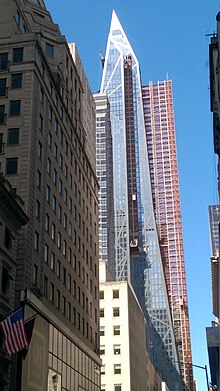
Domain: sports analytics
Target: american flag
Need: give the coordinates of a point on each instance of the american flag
(15, 338)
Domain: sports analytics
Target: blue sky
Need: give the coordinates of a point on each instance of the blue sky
(168, 37)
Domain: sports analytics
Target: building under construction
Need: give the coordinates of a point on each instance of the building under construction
(161, 143)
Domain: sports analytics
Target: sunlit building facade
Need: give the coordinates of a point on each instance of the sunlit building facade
(137, 250)
(104, 171)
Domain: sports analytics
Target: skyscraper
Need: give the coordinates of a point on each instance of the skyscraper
(137, 250)
(161, 144)
(104, 170)
(47, 129)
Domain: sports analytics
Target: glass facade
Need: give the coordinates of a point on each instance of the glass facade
(70, 367)
(137, 251)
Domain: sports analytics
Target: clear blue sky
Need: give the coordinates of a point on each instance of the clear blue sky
(167, 37)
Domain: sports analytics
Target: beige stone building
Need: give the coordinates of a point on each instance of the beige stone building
(47, 141)
(125, 362)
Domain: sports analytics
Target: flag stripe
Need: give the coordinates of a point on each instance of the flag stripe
(14, 332)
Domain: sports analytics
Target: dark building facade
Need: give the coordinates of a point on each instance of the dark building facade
(12, 218)
(47, 134)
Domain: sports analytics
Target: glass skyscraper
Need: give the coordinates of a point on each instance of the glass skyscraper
(137, 250)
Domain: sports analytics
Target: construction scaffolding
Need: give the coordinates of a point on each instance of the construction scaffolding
(161, 142)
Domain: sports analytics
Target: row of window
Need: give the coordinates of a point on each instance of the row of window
(115, 294)
(116, 350)
(116, 330)
(17, 56)
(115, 312)
(14, 110)
(65, 307)
(16, 83)
(117, 369)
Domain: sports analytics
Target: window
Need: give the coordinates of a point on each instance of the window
(36, 241)
(58, 299)
(2, 114)
(18, 54)
(5, 285)
(13, 136)
(46, 253)
(3, 87)
(103, 387)
(37, 209)
(50, 114)
(35, 275)
(117, 387)
(116, 311)
(49, 49)
(55, 151)
(59, 240)
(16, 80)
(102, 312)
(45, 286)
(52, 292)
(69, 282)
(116, 294)
(117, 349)
(11, 166)
(102, 331)
(1, 144)
(49, 140)
(8, 239)
(17, 17)
(64, 305)
(116, 330)
(101, 294)
(47, 222)
(48, 194)
(54, 176)
(38, 179)
(60, 186)
(103, 370)
(41, 96)
(117, 369)
(52, 261)
(49, 166)
(3, 61)
(39, 150)
(58, 268)
(53, 232)
(41, 121)
(54, 204)
(15, 107)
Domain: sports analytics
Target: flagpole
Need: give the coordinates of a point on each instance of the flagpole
(19, 354)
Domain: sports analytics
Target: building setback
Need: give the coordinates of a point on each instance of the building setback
(47, 133)
(162, 155)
